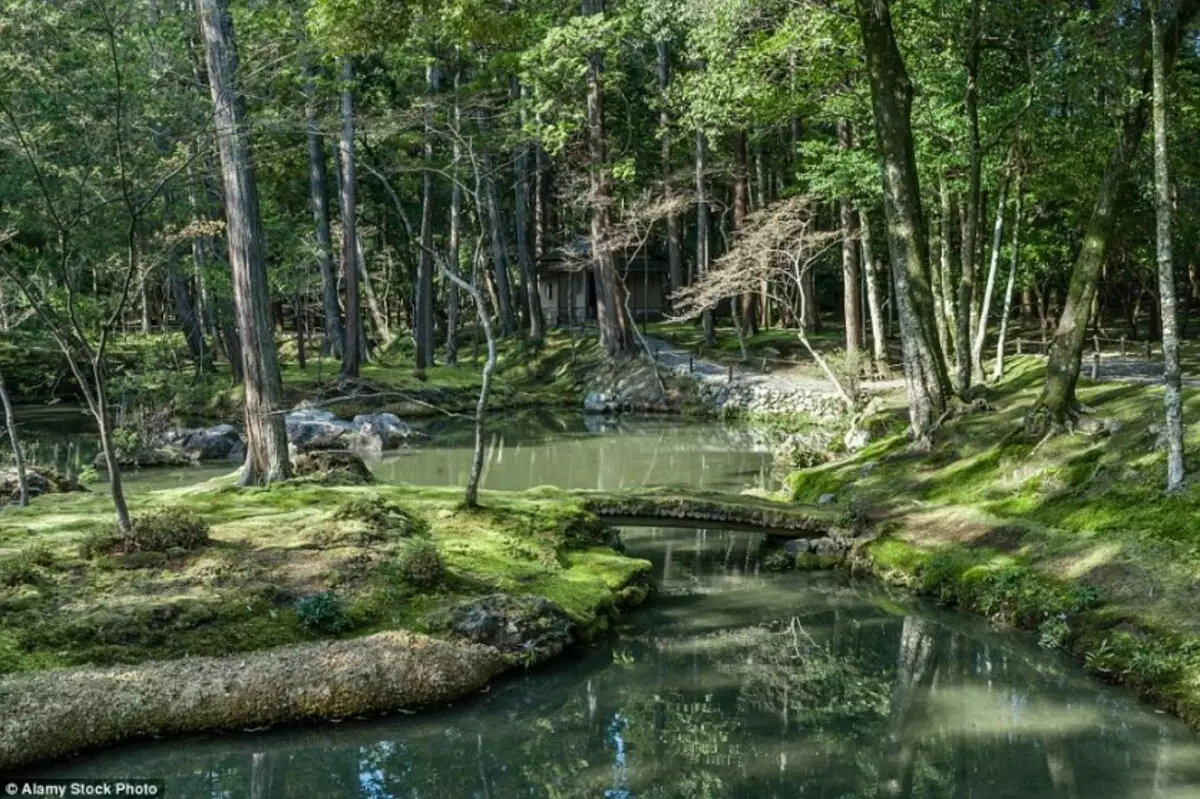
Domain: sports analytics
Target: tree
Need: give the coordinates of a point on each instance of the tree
(351, 355)
(1166, 259)
(14, 441)
(891, 91)
(266, 437)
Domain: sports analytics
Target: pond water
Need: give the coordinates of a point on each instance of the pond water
(732, 682)
(567, 450)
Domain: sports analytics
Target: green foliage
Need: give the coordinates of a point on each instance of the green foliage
(422, 564)
(26, 567)
(322, 612)
(381, 515)
(169, 531)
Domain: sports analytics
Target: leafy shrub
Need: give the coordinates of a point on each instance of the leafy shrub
(777, 560)
(1053, 632)
(157, 531)
(381, 515)
(422, 565)
(321, 612)
(25, 567)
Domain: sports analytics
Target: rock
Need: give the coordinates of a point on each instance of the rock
(38, 481)
(856, 438)
(525, 624)
(826, 547)
(827, 499)
(797, 546)
(206, 444)
(333, 467)
(146, 458)
(311, 429)
(388, 427)
(595, 402)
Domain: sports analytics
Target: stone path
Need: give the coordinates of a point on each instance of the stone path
(676, 359)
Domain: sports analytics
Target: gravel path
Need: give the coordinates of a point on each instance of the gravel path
(677, 360)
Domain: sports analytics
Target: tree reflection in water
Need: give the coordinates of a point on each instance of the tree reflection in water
(734, 683)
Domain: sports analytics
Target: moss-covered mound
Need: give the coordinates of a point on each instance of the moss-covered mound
(228, 571)
(37, 482)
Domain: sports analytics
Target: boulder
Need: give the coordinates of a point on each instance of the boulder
(312, 429)
(38, 481)
(387, 427)
(332, 467)
(146, 458)
(222, 442)
(856, 438)
(530, 625)
(595, 402)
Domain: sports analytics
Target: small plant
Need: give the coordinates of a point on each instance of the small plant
(88, 476)
(422, 565)
(25, 567)
(778, 561)
(321, 612)
(1053, 632)
(157, 531)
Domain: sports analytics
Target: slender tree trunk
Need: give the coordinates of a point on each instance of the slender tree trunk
(874, 295)
(333, 335)
(455, 241)
(674, 223)
(1057, 405)
(508, 320)
(1166, 259)
(851, 278)
(947, 274)
(351, 354)
(533, 299)
(616, 337)
(10, 424)
(966, 287)
(423, 306)
(266, 439)
(702, 235)
(985, 305)
(185, 308)
(891, 93)
(1014, 262)
(741, 209)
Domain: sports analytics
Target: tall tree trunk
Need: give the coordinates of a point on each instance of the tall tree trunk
(616, 337)
(455, 242)
(1057, 405)
(504, 307)
(14, 441)
(185, 309)
(332, 333)
(851, 279)
(351, 354)
(266, 439)
(985, 305)
(423, 306)
(533, 299)
(674, 222)
(741, 209)
(1166, 259)
(966, 285)
(947, 273)
(874, 295)
(1014, 262)
(702, 235)
(891, 93)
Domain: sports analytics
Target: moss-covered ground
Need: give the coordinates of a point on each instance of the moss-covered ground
(1071, 536)
(288, 564)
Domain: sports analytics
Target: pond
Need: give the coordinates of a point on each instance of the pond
(733, 682)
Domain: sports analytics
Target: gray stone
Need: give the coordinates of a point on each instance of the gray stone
(311, 428)
(511, 624)
(827, 499)
(207, 444)
(388, 428)
(827, 546)
(595, 402)
(798, 546)
(856, 438)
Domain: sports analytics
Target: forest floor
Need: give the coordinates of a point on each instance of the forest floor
(1072, 537)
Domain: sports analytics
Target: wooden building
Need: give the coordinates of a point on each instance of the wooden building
(567, 283)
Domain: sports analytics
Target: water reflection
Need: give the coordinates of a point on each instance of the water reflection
(735, 682)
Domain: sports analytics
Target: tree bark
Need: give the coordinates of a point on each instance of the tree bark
(851, 278)
(874, 295)
(454, 245)
(891, 93)
(533, 299)
(266, 438)
(985, 305)
(966, 287)
(10, 424)
(947, 273)
(185, 309)
(508, 321)
(741, 209)
(616, 337)
(702, 235)
(351, 355)
(674, 223)
(1166, 259)
(1057, 405)
(332, 334)
(423, 306)
(1014, 262)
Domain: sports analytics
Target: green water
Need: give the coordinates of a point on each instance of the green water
(732, 683)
